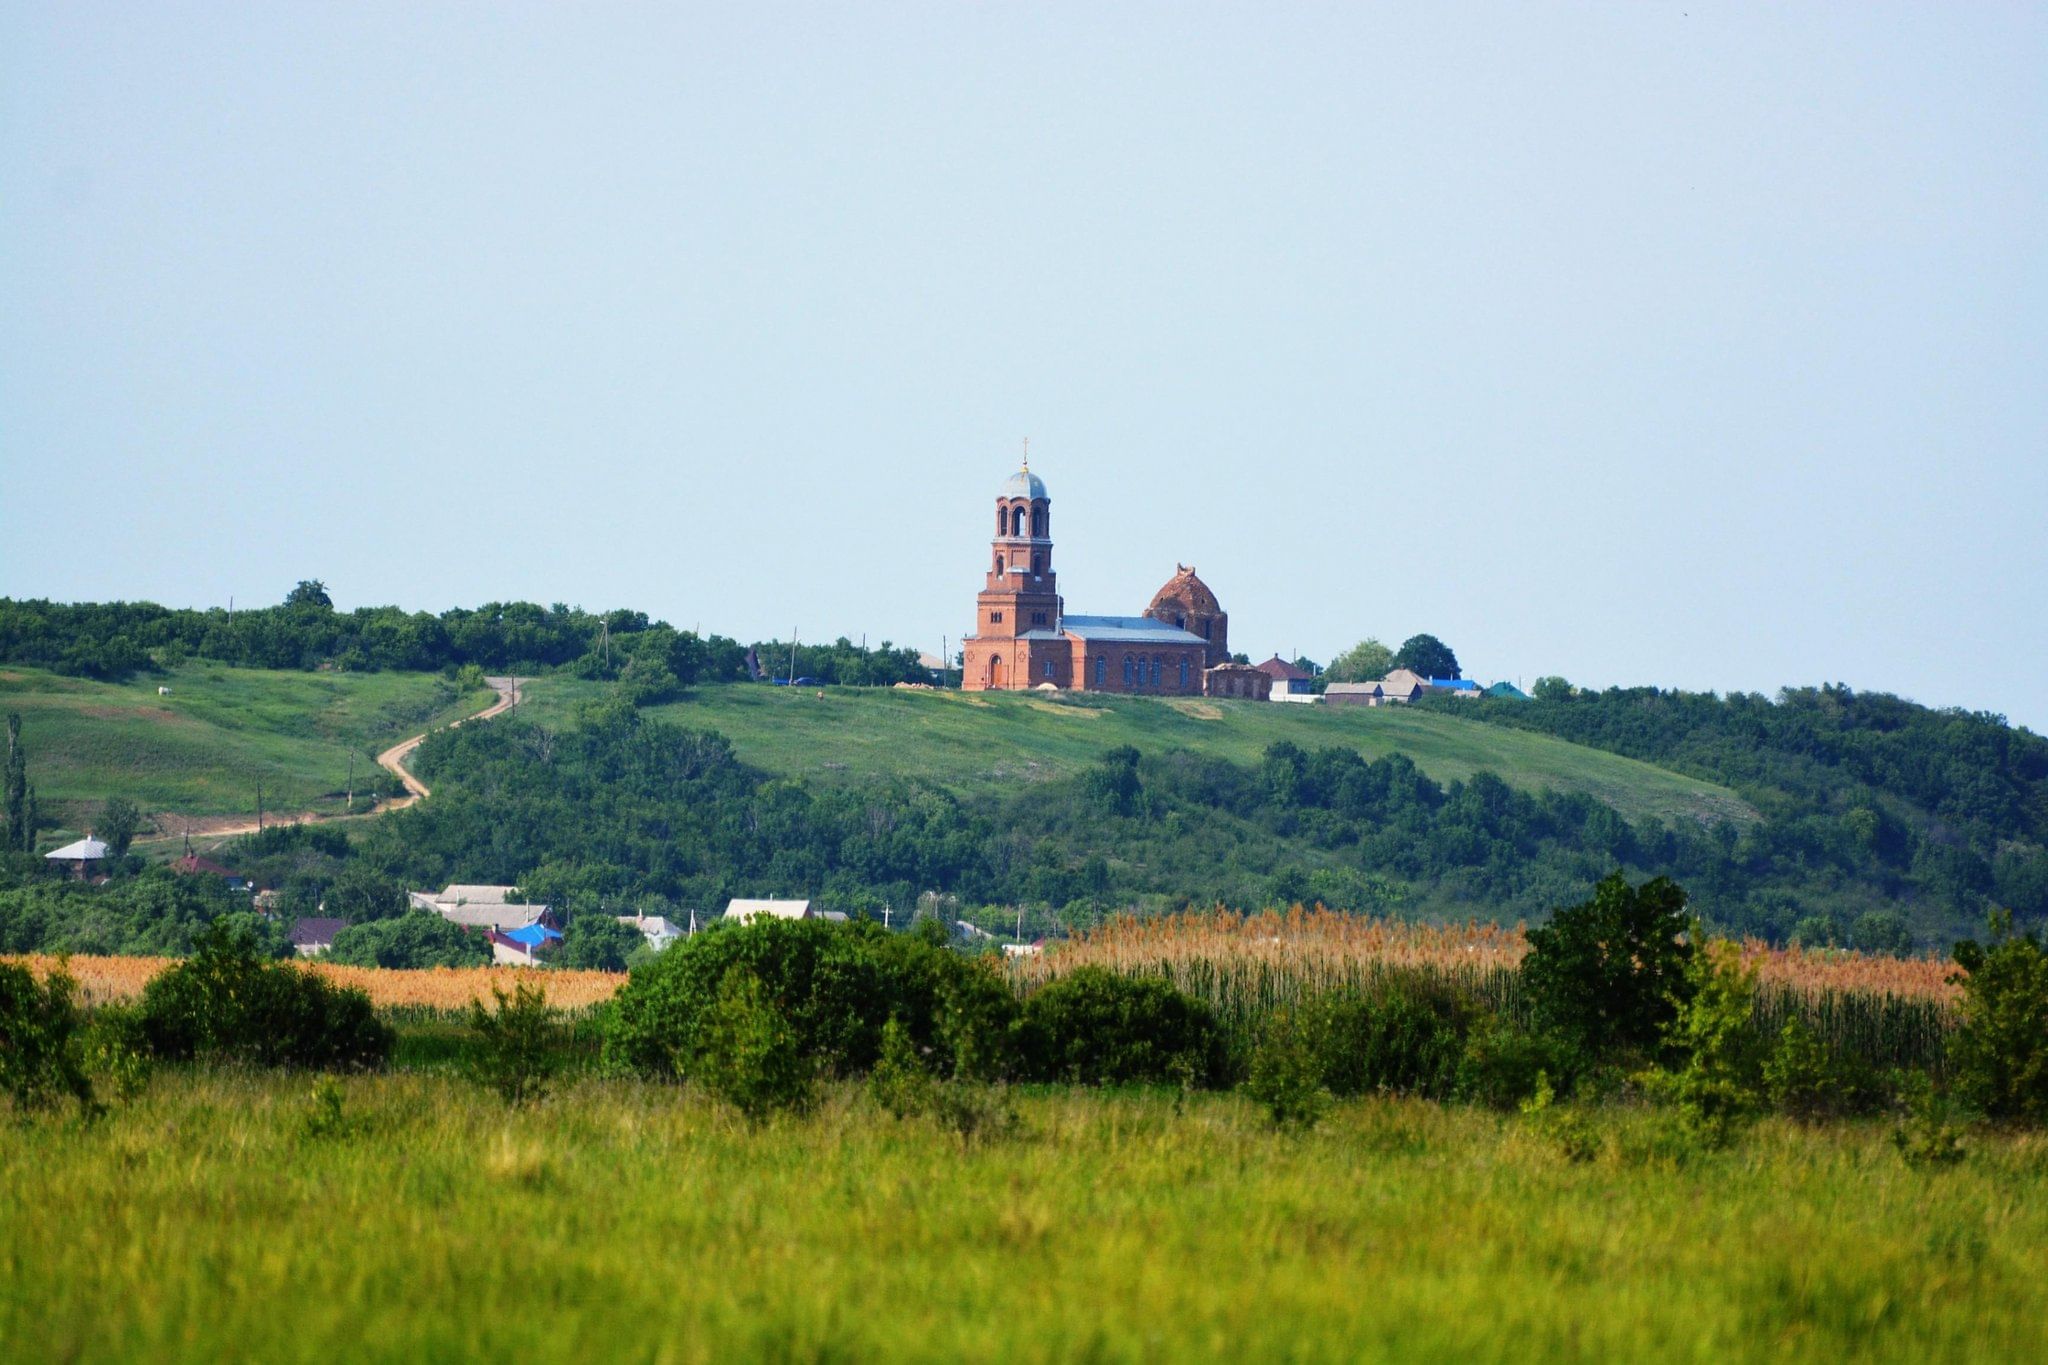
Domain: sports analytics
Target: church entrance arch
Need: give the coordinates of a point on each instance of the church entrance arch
(998, 675)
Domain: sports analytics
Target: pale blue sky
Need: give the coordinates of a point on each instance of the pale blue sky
(1680, 344)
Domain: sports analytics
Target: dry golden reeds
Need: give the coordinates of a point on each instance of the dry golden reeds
(104, 980)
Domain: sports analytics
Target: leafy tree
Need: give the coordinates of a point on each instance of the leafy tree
(41, 1028)
(1366, 661)
(1286, 1072)
(597, 942)
(417, 938)
(749, 1054)
(310, 592)
(2000, 1054)
(1881, 931)
(20, 797)
(1114, 780)
(229, 1003)
(1429, 656)
(1718, 1082)
(1552, 688)
(516, 1042)
(119, 820)
(1610, 973)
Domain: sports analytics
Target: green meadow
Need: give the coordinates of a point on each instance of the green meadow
(203, 749)
(978, 742)
(216, 1217)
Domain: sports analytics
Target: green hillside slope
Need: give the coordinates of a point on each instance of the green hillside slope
(202, 750)
(978, 743)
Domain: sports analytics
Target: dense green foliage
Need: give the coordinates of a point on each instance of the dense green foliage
(1096, 1027)
(1610, 973)
(41, 1029)
(1867, 798)
(2001, 1052)
(652, 659)
(1406, 1039)
(227, 1002)
(836, 986)
(516, 1036)
(418, 938)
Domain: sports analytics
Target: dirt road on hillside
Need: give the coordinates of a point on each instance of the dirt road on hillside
(392, 760)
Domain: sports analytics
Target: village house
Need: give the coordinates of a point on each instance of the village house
(481, 907)
(313, 935)
(1287, 681)
(82, 858)
(747, 911)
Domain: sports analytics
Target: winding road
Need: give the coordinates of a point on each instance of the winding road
(392, 760)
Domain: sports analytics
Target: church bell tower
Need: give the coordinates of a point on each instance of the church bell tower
(1019, 597)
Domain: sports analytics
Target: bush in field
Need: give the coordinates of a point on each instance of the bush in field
(1806, 1081)
(1406, 1039)
(1286, 1072)
(837, 986)
(516, 1042)
(40, 1036)
(1610, 973)
(1504, 1067)
(229, 1003)
(2000, 1054)
(747, 1053)
(1717, 1083)
(1096, 1027)
(417, 938)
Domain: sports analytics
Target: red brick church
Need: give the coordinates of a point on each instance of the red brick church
(1023, 637)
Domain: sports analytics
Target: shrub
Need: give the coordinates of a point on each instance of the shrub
(116, 1052)
(1408, 1039)
(1504, 1066)
(1287, 1071)
(2000, 1053)
(228, 1003)
(1806, 1081)
(1097, 1027)
(1718, 1085)
(416, 938)
(516, 1042)
(40, 1037)
(747, 1053)
(1610, 973)
(1932, 1132)
(900, 1082)
(836, 985)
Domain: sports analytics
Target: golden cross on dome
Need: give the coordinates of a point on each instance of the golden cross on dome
(1027, 454)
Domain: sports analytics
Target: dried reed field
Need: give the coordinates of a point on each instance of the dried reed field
(105, 980)
(1890, 1010)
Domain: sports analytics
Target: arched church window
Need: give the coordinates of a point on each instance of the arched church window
(1183, 675)
(1155, 672)
(999, 566)
(1037, 565)
(1044, 522)
(1048, 670)
(1127, 671)
(1017, 522)
(1101, 670)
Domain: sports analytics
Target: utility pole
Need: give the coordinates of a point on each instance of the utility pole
(885, 915)
(1020, 924)
(792, 654)
(351, 781)
(259, 807)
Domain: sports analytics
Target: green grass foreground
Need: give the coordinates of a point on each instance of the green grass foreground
(207, 1221)
(977, 743)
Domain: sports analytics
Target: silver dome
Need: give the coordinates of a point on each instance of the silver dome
(1023, 484)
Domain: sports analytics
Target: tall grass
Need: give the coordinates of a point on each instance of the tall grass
(1888, 1011)
(425, 993)
(420, 1219)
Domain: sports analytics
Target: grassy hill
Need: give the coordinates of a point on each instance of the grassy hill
(975, 743)
(202, 750)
